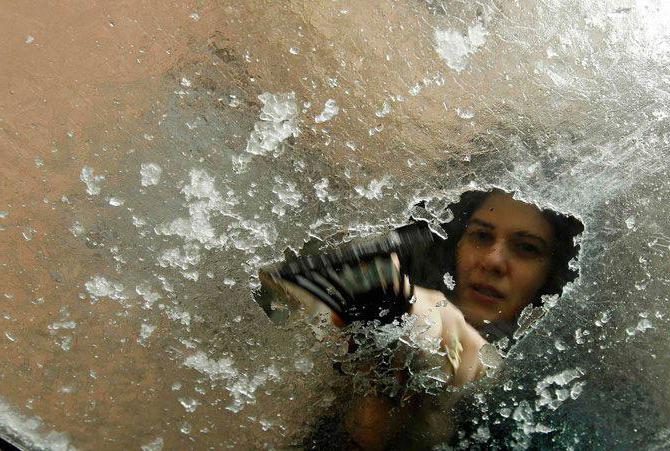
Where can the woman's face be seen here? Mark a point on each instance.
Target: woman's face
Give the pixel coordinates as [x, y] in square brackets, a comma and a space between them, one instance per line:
[502, 259]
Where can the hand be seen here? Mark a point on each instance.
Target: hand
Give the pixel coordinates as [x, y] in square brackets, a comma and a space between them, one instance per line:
[459, 339]
[368, 290]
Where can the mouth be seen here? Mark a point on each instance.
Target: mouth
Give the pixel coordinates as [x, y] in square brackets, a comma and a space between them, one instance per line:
[486, 292]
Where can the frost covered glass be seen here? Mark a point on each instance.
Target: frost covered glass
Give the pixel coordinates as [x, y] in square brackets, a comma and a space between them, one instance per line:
[156, 157]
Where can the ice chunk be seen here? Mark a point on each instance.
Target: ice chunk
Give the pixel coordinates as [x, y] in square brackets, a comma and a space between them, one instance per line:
[66, 343]
[288, 196]
[465, 113]
[149, 296]
[29, 39]
[150, 174]
[449, 281]
[240, 385]
[304, 365]
[384, 110]
[189, 404]
[641, 326]
[145, 332]
[154, 445]
[99, 287]
[28, 233]
[330, 110]
[175, 258]
[455, 48]
[92, 181]
[278, 121]
[557, 382]
[116, 202]
[62, 325]
[374, 188]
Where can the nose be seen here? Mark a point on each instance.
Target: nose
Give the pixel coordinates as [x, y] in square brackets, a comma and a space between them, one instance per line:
[494, 259]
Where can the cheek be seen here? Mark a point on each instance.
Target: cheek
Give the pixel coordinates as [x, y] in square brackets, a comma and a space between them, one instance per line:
[464, 260]
[533, 278]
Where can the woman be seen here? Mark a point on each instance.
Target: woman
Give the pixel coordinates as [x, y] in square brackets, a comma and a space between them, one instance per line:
[508, 254]
[504, 254]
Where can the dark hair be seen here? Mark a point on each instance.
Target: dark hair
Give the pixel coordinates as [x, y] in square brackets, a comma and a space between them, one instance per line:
[442, 256]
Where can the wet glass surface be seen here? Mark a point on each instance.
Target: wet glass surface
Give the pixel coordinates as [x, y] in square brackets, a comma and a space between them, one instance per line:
[156, 156]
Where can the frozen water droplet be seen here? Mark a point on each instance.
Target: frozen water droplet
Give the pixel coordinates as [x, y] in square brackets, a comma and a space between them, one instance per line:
[185, 82]
[304, 365]
[145, 332]
[92, 181]
[195, 16]
[3, 214]
[643, 325]
[604, 318]
[150, 174]
[384, 110]
[185, 428]
[233, 101]
[176, 386]
[148, 137]
[449, 281]
[329, 111]
[28, 233]
[465, 113]
[455, 48]
[39, 162]
[376, 129]
[66, 343]
[154, 445]
[189, 404]
[374, 188]
[76, 228]
[630, 222]
[560, 345]
[10, 336]
[116, 202]
[29, 39]
[294, 50]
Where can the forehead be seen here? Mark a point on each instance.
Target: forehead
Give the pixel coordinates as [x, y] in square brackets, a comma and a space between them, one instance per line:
[510, 216]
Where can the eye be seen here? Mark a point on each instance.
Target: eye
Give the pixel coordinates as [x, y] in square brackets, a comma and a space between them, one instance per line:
[480, 236]
[528, 249]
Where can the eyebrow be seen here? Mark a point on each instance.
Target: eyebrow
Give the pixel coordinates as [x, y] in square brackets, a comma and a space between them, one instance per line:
[522, 234]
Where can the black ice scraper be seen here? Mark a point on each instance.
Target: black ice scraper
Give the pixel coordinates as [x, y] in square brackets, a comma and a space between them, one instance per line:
[358, 281]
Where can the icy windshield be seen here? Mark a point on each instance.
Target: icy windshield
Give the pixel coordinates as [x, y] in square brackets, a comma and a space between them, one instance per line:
[157, 158]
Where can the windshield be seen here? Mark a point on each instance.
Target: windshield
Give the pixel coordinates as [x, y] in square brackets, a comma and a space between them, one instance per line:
[156, 157]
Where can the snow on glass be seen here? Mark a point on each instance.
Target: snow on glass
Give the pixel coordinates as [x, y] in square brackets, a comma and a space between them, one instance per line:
[455, 47]
[241, 386]
[278, 121]
[150, 174]
[93, 182]
[214, 217]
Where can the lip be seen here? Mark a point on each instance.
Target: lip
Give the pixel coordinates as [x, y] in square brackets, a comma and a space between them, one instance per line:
[485, 293]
